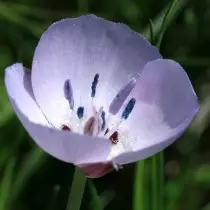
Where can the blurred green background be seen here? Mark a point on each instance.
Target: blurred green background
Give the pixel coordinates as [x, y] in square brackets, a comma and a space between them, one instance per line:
[32, 180]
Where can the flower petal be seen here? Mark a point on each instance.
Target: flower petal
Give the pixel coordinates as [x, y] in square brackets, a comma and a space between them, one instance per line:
[165, 106]
[96, 170]
[63, 145]
[18, 85]
[79, 48]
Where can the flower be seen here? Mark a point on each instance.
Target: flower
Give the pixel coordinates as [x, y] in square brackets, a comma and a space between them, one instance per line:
[99, 95]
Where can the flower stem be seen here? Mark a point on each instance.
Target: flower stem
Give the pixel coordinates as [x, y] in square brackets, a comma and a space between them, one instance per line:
[157, 176]
[154, 182]
[161, 180]
[77, 190]
[140, 188]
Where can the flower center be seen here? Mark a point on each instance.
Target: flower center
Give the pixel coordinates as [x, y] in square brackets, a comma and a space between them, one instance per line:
[98, 123]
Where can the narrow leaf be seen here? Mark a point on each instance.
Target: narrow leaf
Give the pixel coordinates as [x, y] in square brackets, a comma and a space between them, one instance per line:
[95, 199]
[167, 21]
[152, 38]
[33, 161]
[140, 188]
[158, 21]
[77, 190]
[6, 183]
[83, 6]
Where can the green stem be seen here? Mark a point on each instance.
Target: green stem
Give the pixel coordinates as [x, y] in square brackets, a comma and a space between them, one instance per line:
[154, 175]
[157, 175]
[161, 180]
[77, 190]
[140, 190]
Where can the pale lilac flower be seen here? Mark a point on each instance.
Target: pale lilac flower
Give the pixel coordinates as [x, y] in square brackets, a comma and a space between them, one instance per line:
[99, 95]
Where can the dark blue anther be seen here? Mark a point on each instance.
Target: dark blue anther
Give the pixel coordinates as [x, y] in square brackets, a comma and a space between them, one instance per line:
[94, 84]
[128, 108]
[103, 120]
[80, 112]
[68, 93]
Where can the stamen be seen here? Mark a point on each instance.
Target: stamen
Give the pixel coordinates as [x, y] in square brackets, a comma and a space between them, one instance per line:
[97, 126]
[128, 108]
[107, 130]
[68, 93]
[88, 128]
[103, 120]
[94, 84]
[65, 128]
[80, 112]
[121, 96]
[114, 138]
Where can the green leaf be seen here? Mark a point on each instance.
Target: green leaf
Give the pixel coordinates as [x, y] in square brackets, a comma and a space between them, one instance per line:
[158, 21]
[6, 183]
[207, 207]
[154, 182]
[14, 17]
[5, 108]
[152, 38]
[77, 190]
[202, 174]
[193, 61]
[166, 21]
[34, 160]
[157, 174]
[83, 6]
[140, 189]
[96, 201]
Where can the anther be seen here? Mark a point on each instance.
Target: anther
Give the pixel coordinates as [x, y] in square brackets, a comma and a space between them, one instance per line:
[68, 93]
[94, 84]
[107, 130]
[97, 126]
[121, 96]
[128, 108]
[114, 138]
[65, 128]
[89, 126]
[80, 112]
[103, 120]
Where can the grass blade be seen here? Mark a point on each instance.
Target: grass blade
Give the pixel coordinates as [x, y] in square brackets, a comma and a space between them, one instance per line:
[96, 201]
[140, 189]
[77, 190]
[152, 38]
[6, 183]
[33, 161]
[161, 180]
[158, 21]
[167, 21]
[83, 6]
[154, 181]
